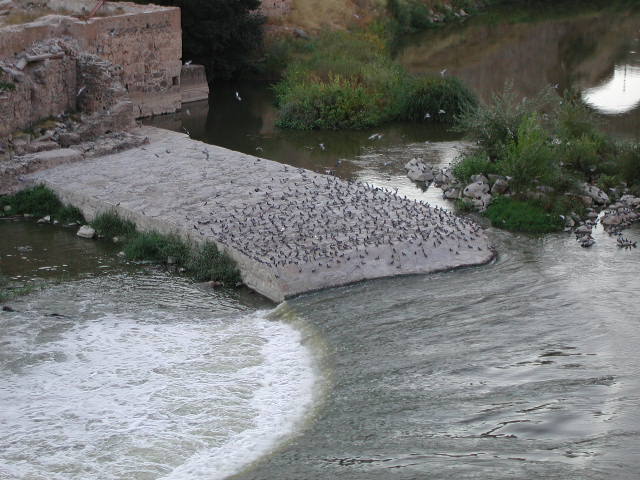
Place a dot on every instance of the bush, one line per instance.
(495, 125)
(335, 104)
(110, 224)
(630, 164)
(348, 81)
(474, 163)
(38, 201)
(528, 157)
(440, 99)
(522, 216)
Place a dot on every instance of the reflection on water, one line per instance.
(619, 94)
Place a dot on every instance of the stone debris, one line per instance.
(86, 232)
(418, 171)
(290, 230)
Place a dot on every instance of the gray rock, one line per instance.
(609, 220)
(479, 179)
(569, 222)
(451, 193)
(597, 195)
(476, 190)
(418, 175)
(86, 232)
(630, 201)
(583, 229)
(46, 219)
(500, 186)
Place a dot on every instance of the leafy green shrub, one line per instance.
(347, 80)
(38, 201)
(474, 163)
(630, 164)
(334, 104)
(528, 157)
(575, 120)
(409, 15)
(110, 224)
(580, 155)
(522, 216)
(495, 125)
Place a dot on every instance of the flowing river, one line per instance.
(525, 368)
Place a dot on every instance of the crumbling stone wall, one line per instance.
(44, 84)
(52, 77)
(145, 40)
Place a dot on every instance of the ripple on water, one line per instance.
(108, 389)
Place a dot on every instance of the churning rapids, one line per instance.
(527, 368)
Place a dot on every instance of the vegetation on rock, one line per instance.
(548, 148)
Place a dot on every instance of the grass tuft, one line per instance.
(38, 201)
(110, 224)
(522, 216)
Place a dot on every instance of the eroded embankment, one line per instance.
(290, 230)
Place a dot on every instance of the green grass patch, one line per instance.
(203, 262)
(110, 224)
(474, 163)
(38, 201)
(69, 214)
(522, 216)
(347, 80)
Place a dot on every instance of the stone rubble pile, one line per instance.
(479, 192)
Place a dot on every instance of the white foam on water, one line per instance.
(124, 397)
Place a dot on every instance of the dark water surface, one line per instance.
(525, 368)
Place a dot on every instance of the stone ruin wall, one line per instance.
(146, 45)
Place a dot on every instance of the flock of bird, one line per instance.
(298, 221)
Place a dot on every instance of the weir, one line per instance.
(290, 230)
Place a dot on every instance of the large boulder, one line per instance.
(597, 195)
(86, 232)
(630, 201)
(418, 171)
(476, 189)
(500, 186)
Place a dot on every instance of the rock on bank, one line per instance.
(290, 230)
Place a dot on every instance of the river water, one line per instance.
(524, 368)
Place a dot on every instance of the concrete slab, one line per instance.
(290, 230)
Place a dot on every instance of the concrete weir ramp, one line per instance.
(290, 230)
